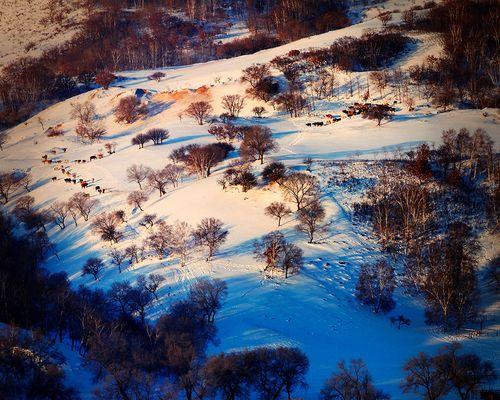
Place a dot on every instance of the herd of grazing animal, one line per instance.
(72, 177)
(355, 109)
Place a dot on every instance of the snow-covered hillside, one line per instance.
(315, 310)
(30, 27)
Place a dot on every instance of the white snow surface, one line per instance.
(30, 27)
(315, 310)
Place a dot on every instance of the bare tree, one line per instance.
(148, 221)
(310, 217)
(468, 372)
(138, 173)
(200, 159)
(173, 173)
(208, 295)
(385, 18)
(137, 198)
(352, 381)
(151, 283)
(428, 375)
(292, 102)
(140, 140)
(93, 266)
(129, 109)
(375, 286)
(255, 74)
(157, 76)
(88, 128)
(134, 253)
(378, 112)
(181, 241)
(278, 254)
(83, 203)
(106, 225)
(3, 139)
(157, 180)
(25, 179)
(73, 211)
(104, 79)
(257, 142)
(233, 104)
(199, 111)
(278, 210)
(9, 182)
(157, 135)
(159, 240)
(84, 113)
(210, 233)
(379, 79)
(60, 212)
(259, 111)
(24, 204)
(117, 257)
(300, 188)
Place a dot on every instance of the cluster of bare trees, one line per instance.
(257, 142)
(226, 132)
(9, 183)
(78, 205)
(88, 127)
(399, 211)
(153, 180)
(464, 72)
(448, 372)
(430, 377)
(444, 271)
(180, 239)
(155, 135)
(107, 224)
(376, 283)
(233, 104)
(200, 159)
(278, 255)
(262, 86)
(468, 155)
(129, 109)
(419, 206)
(199, 111)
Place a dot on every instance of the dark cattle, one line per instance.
(74, 181)
(67, 180)
(308, 124)
(103, 190)
(318, 123)
(54, 178)
(97, 188)
(80, 180)
(93, 158)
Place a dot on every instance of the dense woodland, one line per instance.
(115, 38)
